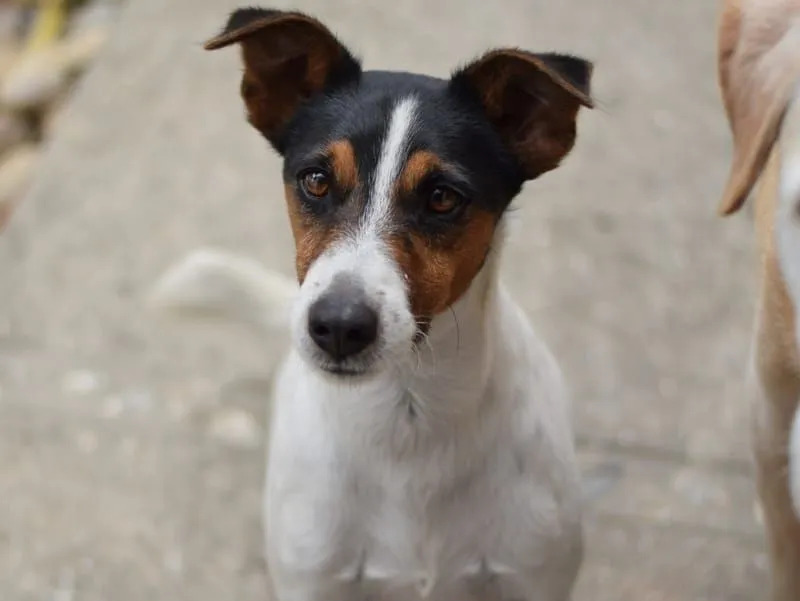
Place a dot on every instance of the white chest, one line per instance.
(416, 544)
(363, 506)
(407, 541)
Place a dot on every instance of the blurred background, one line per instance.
(131, 450)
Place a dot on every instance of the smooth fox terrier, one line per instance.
(420, 442)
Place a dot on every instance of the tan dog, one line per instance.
(759, 70)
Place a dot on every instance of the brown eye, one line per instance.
(315, 183)
(444, 201)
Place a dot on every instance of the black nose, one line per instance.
(342, 326)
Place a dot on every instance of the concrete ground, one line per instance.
(130, 450)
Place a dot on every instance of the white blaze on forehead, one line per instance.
(390, 162)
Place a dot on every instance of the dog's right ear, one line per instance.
(288, 57)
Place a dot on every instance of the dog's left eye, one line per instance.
(315, 183)
(445, 201)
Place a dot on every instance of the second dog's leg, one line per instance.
(771, 440)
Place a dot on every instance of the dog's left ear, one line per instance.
(532, 100)
(288, 57)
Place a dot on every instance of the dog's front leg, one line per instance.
(311, 551)
(782, 527)
(309, 555)
(296, 574)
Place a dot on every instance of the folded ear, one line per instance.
(288, 57)
(759, 66)
(532, 100)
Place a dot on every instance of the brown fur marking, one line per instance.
(419, 165)
(440, 272)
(310, 238)
(343, 162)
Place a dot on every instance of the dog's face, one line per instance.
(394, 182)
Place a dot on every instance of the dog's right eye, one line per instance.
(314, 183)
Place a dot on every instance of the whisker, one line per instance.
(418, 351)
(458, 328)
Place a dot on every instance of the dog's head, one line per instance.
(395, 182)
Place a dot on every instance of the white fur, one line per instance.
(401, 128)
(787, 229)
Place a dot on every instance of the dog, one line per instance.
(420, 444)
(759, 75)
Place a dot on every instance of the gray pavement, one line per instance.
(130, 450)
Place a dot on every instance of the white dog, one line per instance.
(420, 443)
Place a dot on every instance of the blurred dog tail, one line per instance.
(216, 285)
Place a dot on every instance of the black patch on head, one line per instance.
(244, 16)
(340, 81)
(455, 129)
(450, 125)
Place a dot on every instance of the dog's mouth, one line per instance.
(343, 372)
(349, 368)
